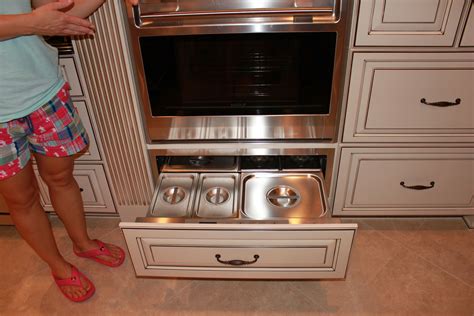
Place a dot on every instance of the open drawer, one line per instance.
(248, 251)
(251, 225)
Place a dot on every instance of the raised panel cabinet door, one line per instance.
(70, 74)
(411, 97)
(92, 152)
(408, 22)
(468, 34)
(92, 182)
(405, 181)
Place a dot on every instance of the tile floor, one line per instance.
(398, 267)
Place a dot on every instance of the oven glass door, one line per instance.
(239, 74)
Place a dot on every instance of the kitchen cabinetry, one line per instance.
(89, 168)
(408, 134)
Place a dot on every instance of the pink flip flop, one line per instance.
(102, 250)
(75, 280)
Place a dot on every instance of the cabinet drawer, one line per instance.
(239, 251)
(391, 181)
(92, 152)
(94, 189)
(408, 23)
(420, 97)
(468, 34)
(69, 70)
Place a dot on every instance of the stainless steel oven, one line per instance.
(245, 70)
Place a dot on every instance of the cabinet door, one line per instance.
(408, 22)
(94, 189)
(468, 34)
(92, 152)
(70, 74)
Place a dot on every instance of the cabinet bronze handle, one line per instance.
(136, 15)
(237, 262)
(441, 103)
(418, 187)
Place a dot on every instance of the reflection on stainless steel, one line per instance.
(174, 195)
(217, 195)
(283, 195)
(198, 17)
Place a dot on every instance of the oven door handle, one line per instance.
(136, 15)
(297, 11)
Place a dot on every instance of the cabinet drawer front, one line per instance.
(408, 23)
(239, 253)
(397, 97)
(92, 152)
(69, 70)
(202, 253)
(405, 181)
(93, 185)
(468, 34)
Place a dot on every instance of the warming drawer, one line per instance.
(240, 224)
(247, 251)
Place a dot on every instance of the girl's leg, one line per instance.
(22, 197)
(67, 201)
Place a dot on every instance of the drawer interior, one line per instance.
(239, 189)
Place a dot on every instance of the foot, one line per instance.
(107, 254)
(66, 279)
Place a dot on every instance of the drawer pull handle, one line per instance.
(441, 103)
(237, 262)
(418, 187)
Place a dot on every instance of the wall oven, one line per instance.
(239, 70)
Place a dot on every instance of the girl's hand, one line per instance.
(50, 20)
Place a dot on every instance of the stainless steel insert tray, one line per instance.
(287, 195)
(174, 196)
(217, 195)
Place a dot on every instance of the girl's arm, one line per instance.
(79, 8)
(48, 19)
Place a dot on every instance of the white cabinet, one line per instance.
(408, 22)
(408, 134)
(468, 34)
(93, 186)
(407, 97)
(70, 74)
(411, 181)
(246, 251)
(89, 170)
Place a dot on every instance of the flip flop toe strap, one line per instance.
(74, 280)
(102, 250)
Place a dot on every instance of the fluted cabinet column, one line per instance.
(107, 70)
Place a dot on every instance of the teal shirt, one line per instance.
(29, 71)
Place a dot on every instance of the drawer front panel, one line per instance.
(93, 185)
(69, 70)
(255, 253)
(396, 97)
(408, 23)
(278, 254)
(92, 152)
(405, 182)
(468, 34)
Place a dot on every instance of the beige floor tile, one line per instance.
(370, 253)
(397, 267)
(409, 285)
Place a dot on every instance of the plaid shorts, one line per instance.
(54, 129)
